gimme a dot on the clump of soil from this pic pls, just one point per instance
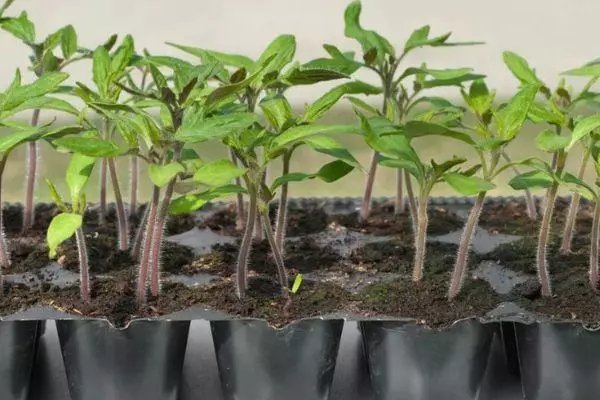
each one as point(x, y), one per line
point(103, 255)
point(175, 257)
point(396, 256)
point(17, 297)
point(384, 222)
point(303, 255)
point(300, 221)
point(28, 254)
point(427, 301)
point(13, 218)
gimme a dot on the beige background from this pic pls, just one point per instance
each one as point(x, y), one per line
point(554, 35)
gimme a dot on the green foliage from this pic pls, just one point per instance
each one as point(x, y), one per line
point(62, 227)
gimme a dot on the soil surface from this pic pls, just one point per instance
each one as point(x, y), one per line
point(381, 261)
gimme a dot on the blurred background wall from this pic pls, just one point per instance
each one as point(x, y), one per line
point(553, 35)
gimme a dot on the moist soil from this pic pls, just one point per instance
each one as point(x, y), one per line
point(384, 222)
point(394, 295)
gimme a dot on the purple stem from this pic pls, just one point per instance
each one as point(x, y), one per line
point(594, 247)
point(4, 255)
point(102, 211)
point(84, 268)
point(32, 160)
point(239, 203)
point(133, 185)
point(365, 209)
point(243, 255)
point(147, 246)
point(399, 206)
point(121, 217)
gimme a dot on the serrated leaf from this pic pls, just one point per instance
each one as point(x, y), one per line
point(160, 175)
point(512, 117)
point(233, 60)
point(78, 173)
point(277, 55)
point(68, 41)
point(584, 128)
point(21, 27)
point(43, 85)
point(539, 113)
point(341, 65)
point(324, 103)
point(310, 76)
point(530, 180)
point(218, 173)
point(101, 70)
point(62, 227)
point(88, 146)
point(467, 185)
point(122, 56)
point(277, 110)
point(367, 39)
point(550, 141)
point(415, 129)
point(193, 202)
point(44, 103)
point(302, 132)
point(356, 102)
point(196, 129)
point(9, 141)
point(520, 68)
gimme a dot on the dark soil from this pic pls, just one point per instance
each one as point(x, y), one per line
point(303, 255)
point(383, 222)
point(427, 301)
point(28, 254)
point(301, 221)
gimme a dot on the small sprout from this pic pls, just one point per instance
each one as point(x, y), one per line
point(297, 284)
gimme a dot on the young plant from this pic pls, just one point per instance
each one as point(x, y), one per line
point(278, 74)
point(380, 57)
point(44, 60)
point(394, 149)
point(69, 222)
point(15, 99)
point(108, 70)
point(490, 146)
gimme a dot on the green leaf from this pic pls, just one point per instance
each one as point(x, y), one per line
point(122, 57)
point(341, 66)
point(367, 39)
point(192, 202)
point(78, 173)
point(302, 132)
point(296, 284)
point(160, 175)
point(356, 102)
point(43, 85)
point(277, 110)
point(586, 70)
point(291, 177)
point(62, 227)
point(457, 81)
point(277, 55)
point(196, 129)
point(324, 103)
point(310, 76)
point(88, 146)
point(55, 196)
point(467, 185)
point(11, 140)
point(539, 113)
point(334, 171)
point(512, 117)
point(584, 128)
point(531, 180)
point(413, 168)
point(233, 60)
point(101, 70)
point(415, 129)
point(44, 103)
point(21, 27)
point(577, 185)
point(550, 141)
point(68, 41)
point(520, 68)
point(218, 173)
point(330, 146)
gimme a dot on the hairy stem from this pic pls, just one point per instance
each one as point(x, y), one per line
point(412, 202)
point(399, 206)
point(365, 209)
point(460, 265)
point(544, 235)
point(281, 271)
point(243, 255)
point(139, 234)
point(147, 246)
point(121, 216)
point(102, 211)
point(281, 223)
point(259, 229)
point(84, 268)
point(159, 228)
point(133, 185)
point(529, 200)
point(4, 255)
point(32, 161)
point(420, 238)
point(594, 247)
point(569, 229)
point(239, 200)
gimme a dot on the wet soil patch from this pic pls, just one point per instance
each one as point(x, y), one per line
point(27, 254)
point(384, 222)
point(396, 256)
point(427, 301)
point(303, 255)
